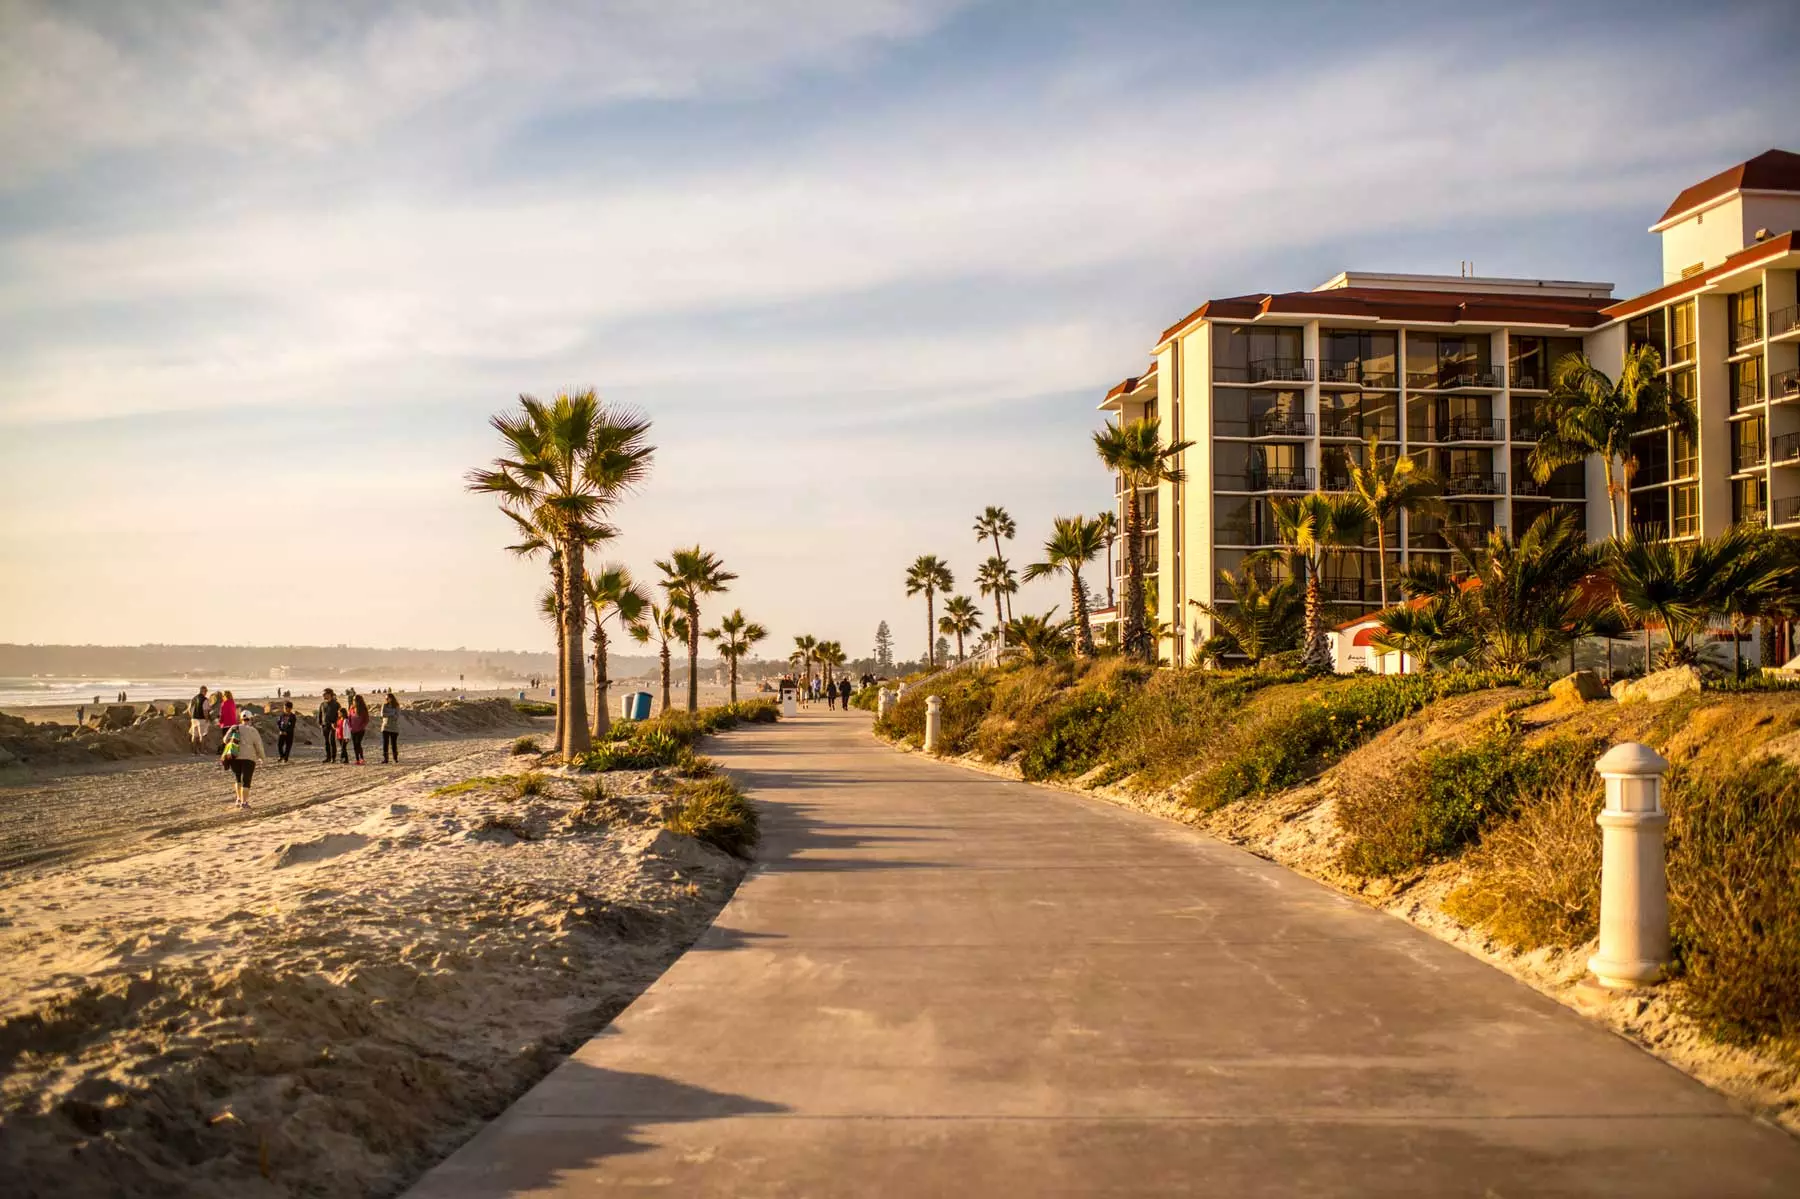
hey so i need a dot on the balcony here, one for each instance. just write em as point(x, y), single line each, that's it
point(1281, 424)
point(1266, 480)
point(1787, 449)
point(1470, 483)
point(1784, 385)
point(1784, 323)
point(1471, 428)
point(1482, 379)
point(1281, 370)
point(1334, 483)
point(1753, 517)
point(1745, 333)
point(1356, 427)
point(1556, 489)
point(1747, 456)
point(1745, 394)
point(1529, 379)
point(1350, 591)
point(1786, 510)
point(1354, 374)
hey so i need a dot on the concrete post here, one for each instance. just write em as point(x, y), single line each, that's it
point(884, 702)
point(934, 720)
point(1634, 890)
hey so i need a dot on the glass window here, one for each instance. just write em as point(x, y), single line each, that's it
point(1652, 453)
point(1746, 383)
point(1647, 330)
point(1650, 513)
point(1747, 444)
point(1231, 353)
point(1421, 359)
point(1749, 500)
point(1528, 365)
point(1684, 455)
point(1682, 335)
point(1231, 412)
point(1746, 317)
point(1356, 356)
point(1684, 510)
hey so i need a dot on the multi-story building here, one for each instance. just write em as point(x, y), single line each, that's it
point(1280, 392)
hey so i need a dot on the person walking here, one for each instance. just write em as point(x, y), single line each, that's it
point(390, 728)
point(358, 717)
point(329, 712)
point(284, 731)
point(198, 724)
point(241, 751)
point(844, 693)
point(228, 713)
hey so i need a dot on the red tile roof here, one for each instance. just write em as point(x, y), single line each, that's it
point(1394, 304)
point(1772, 170)
point(1745, 258)
point(1131, 384)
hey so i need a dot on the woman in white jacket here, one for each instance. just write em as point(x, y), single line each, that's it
point(243, 749)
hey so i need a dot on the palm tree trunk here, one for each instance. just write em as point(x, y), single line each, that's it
point(930, 632)
point(959, 646)
point(732, 661)
point(1318, 653)
point(1111, 600)
point(1381, 558)
point(576, 739)
point(602, 718)
point(665, 675)
point(562, 655)
point(1133, 641)
point(1084, 631)
point(1612, 509)
point(693, 653)
point(1737, 650)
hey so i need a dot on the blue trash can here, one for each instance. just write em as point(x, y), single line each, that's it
point(636, 706)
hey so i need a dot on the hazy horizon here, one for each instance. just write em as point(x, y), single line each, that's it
point(868, 266)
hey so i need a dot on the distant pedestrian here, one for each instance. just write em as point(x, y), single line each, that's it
point(359, 724)
point(241, 751)
point(228, 713)
point(80, 715)
point(329, 712)
point(284, 731)
point(198, 724)
point(390, 728)
point(844, 693)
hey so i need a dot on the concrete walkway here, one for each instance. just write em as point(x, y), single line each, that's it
point(940, 983)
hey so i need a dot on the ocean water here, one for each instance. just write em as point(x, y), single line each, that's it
point(64, 692)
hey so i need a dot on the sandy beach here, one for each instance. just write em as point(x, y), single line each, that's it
point(322, 999)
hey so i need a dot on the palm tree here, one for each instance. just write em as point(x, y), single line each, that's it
point(996, 523)
point(1109, 529)
point(1075, 542)
point(806, 648)
point(567, 463)
point(831, 655)
point(1680, 584)
point(664, 626)
point(1037, 639)
point(961, 617)
point(995, 577)
point(532, 542)
point(1136, 454)
point(929, 575)
point(1599, 415)
point(1260, 621)
point(734, 637)
point(612, 594)
point(1419, 630)
point(1313, 526)
point(687, 575)
point(1386, 489)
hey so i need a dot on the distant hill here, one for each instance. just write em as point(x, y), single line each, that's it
point(303, 661)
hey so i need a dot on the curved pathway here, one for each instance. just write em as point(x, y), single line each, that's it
point(941, 983)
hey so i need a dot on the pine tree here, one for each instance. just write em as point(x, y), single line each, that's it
point(884, 646)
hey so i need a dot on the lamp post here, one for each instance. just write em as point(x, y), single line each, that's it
point(1634, 889)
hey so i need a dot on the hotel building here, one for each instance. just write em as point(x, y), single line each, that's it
point(1279, 393)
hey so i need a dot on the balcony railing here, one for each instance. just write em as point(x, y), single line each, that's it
point(1281, 424)
point(1281, 370)
point(1266, 480)
point(1785, 385)
point(1555, 489)
point(1350, 591)
point(1529, 379)
point(1355, 373)
point(1784, 320)
point(1754, 517)
point(1746, 332)
point(1471, 380)
point(1745, 394)
point(1787, 448)
point(1470, 483)
point(1334, 483)
point(1786, 510)
point(1350, 424)
point(1747, 456)
point(1470, 428)
point(1243, 534)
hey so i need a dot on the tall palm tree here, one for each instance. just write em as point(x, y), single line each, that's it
point(1136, 454)
point(734, 638)
point(996, 577)
point(929, 575)
point(1679, 585)
point(665, 625)
point(961, 617)
point(1386, 489)
point(1261, 620)
point(567, 462)
point(806, 648)
point(1109, 529)
point(532, 542)
point(1076, 541)
point(611, 594)
point(1596, 414)
point(831, 656)
point(1312, 526)
point(995, 523)
point(687, 575)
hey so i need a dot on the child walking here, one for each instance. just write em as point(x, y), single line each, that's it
point(284, 731)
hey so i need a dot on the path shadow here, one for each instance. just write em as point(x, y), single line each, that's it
point(571, 1124)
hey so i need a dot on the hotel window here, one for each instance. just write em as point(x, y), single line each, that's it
point(1746, 383)
point(1527, 366)
point(1685, 457)
point(1747, 444)
point(1652, 453)
point(1684, 510)
point(1749, 500)
point(1746, 318)
point(1649, 330)
point(1356, 356)
point(1682, 335)
point(1650, 513)
point(1231, 353)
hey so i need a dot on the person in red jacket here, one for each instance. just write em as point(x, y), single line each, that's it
point(359, 724)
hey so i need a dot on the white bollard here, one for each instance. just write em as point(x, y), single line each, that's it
point(934, 720)
point(1634, 890)
point(884, 702)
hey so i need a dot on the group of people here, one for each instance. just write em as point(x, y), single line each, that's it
point(833, 693)
point(241, 747)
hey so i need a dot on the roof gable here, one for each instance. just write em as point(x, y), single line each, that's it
point(1772, 170)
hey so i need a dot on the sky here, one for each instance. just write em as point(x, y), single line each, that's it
point(266, 269)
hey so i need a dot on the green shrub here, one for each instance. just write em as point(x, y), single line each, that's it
point(526, 745)
point(868, 698)
point(1734, 898)
point(691, 765)
point(534, 708)
point(1534, 880)
point(481, 783)
point(531, 782)
point(1069, 742)
point(756, 711)
point(716, 812)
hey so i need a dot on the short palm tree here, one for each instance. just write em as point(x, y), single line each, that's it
point(687, 575)
point(567, 463)
point(613, 595)
point(993, 524)
point(960, 619)
point(996, 577)
point(806, 648)
point(1260, 620)
point(1075, 542)
point(929, 575)
point(1036, 640)
point(734, 638)
point(1596, 414)
point(1387, 488)
point(1109, 529)
point(1136, 454)
point(1313, 526)
point(831, 657)
point(1679, 585)
point(1419, 630)
point(665, 625)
